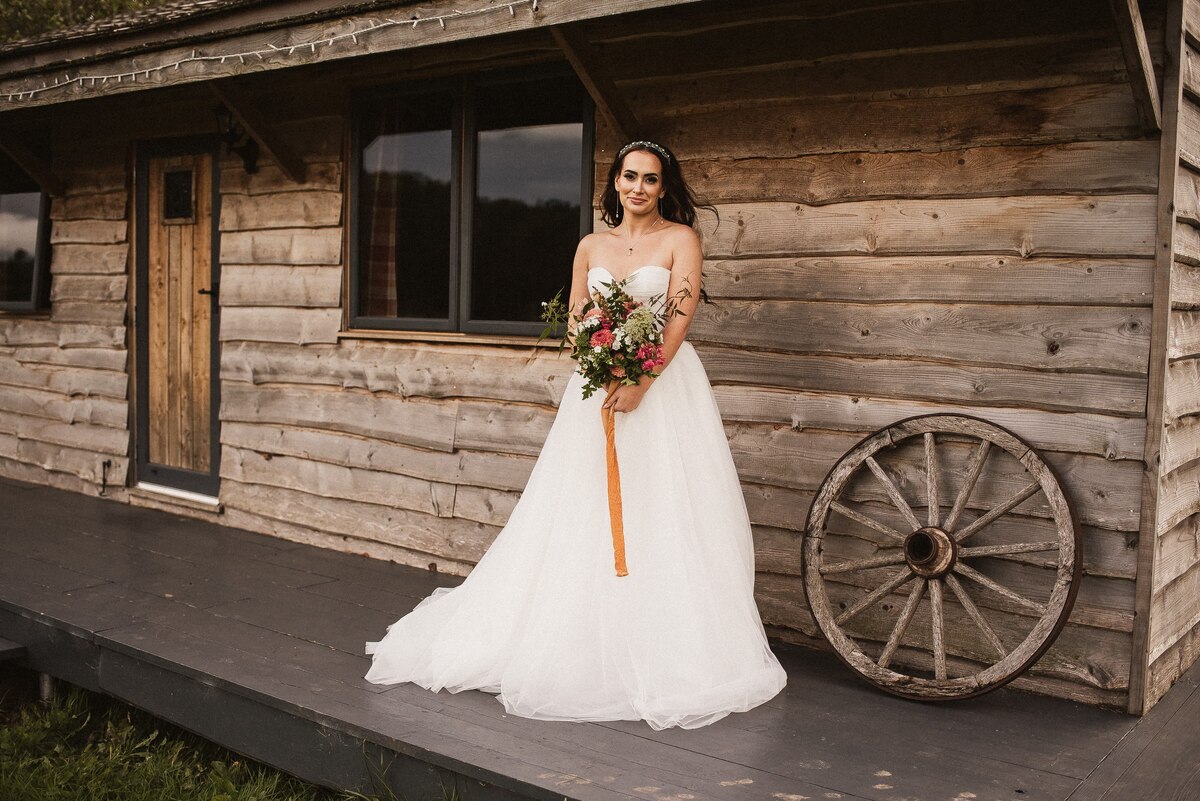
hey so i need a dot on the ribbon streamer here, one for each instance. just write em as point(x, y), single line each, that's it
point(615, 516)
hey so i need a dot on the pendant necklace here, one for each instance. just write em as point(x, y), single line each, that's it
point(633, 241)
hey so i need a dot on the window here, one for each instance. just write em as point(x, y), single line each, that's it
point(24, 240)
point(467, 202)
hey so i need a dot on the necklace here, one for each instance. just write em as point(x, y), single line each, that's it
point(633, 241)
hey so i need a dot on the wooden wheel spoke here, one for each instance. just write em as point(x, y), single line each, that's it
point(863, 564)
point(973, 472)
point(939, 642)
point(973, 612)
point(901, 577)
point(858, 517)
point(906, 616)
point(931, 480)
point(979, 578)
point(1003, 509)
point(893, 493)
point(1005, 550)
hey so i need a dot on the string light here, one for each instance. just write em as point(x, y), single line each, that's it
point(271, 49)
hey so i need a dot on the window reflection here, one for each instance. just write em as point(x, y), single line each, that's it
point(19, 217)
point(527, 196)
point(404, 206)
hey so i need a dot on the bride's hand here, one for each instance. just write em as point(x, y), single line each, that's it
point(624, 398)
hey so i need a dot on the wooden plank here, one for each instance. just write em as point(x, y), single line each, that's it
point(283, 246)
point(784, 130)
point(409, 369)
point(1083, 338)
point(1176, 611)
point(336, 481)
point(1183, 340)
point(1110, 437)
point(1073, 168)
point(1179, 498)
point(88, 465)
point(202, 305)
point(96, 178)
point(1138, 65)
point(928, 380)
point(88, 287)
point(592, 72)
point(1177, 550)
point(157, 317)
point(1173, 663)
point(1180, 443)
point(276, 324)
point(1181, 396)
point(99, 206)
point(504, 428)
point(1111, 225)
point(294, 43)
point(281, 285)
point(437, 536)
point(270, 179)
point(64, 380)
point(259, 127)
point(1189, 131)
point(87, 311)
point(1185, 286)
point(421, 423)
point(281, 210)
point(172, 372)
point(15, 332)
point(1187, 244)
point(89, 232)
point(89, 259)
point(981, 279)
point(52, 406)
point(1187, 194)
point(78, 435)
point(92, 358)
point(482, 469)
point(185, 328)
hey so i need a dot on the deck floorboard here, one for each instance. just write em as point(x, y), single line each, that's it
point(256, 642)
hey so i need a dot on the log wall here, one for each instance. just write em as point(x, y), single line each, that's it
point(1174, 597)
point(942, 206)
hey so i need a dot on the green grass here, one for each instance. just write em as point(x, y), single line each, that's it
point(87, 747)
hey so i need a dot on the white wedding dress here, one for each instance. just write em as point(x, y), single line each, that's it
point(544, 621)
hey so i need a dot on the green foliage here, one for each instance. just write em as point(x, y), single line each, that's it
point(85, 747)
point(23, 18)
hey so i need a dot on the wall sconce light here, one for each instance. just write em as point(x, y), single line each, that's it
point(236, 139)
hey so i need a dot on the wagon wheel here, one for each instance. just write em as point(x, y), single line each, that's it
point(935, 557)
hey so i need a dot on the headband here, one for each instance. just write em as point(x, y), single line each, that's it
point(659, 149)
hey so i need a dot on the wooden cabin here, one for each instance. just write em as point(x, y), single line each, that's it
point(278, 263)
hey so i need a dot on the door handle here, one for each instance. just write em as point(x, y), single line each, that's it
point(205, 291)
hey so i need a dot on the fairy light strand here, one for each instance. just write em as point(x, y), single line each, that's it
point(269, 50)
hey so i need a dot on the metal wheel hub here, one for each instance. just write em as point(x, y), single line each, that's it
point(930, 552)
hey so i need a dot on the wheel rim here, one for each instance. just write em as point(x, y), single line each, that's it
point(936, 566)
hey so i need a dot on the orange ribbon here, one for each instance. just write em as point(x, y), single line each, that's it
point(614, 492)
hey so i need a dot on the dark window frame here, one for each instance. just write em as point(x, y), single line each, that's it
point(464, 162)
point(39, 295)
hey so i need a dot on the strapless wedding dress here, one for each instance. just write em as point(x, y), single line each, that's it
point(544, 621)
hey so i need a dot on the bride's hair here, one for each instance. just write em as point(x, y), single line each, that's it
point(677, 204)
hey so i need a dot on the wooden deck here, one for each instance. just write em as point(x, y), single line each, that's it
point(256, 643)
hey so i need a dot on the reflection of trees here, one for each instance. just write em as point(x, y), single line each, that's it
point(521, 252)
point(16, 276)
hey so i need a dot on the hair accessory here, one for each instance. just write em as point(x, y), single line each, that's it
point(659, 149)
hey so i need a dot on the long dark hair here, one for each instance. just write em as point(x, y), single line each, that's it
point(678, 203)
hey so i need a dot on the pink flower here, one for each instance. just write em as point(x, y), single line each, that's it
point(648, 364)
point(618, 372)
point(602, 338)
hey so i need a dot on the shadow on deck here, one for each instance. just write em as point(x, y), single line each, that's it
point(256, 643)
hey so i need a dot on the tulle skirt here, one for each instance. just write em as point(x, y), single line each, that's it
point(544, 621)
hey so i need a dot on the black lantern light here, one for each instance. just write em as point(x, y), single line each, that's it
point(236, 139)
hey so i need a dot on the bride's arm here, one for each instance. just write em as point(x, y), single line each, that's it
point(579, 287)
point(684, 290)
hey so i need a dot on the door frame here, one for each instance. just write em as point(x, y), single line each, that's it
point(144, 471)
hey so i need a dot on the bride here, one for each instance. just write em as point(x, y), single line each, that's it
point(544, 620)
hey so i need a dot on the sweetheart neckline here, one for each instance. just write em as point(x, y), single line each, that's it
point(631, 274)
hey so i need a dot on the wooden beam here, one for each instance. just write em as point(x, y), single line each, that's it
point(1160, 321)
point(37, 167)
point(256, 125)
point(587, 65)
point(1137, 62)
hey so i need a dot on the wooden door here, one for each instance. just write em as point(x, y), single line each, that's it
point(177, 308)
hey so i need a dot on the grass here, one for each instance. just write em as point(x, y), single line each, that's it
point(87, 747)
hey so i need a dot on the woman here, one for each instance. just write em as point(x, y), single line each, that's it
point(543, 620)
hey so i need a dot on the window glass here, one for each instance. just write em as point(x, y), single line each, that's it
point(525, 215)
point(405, 207)
point(20, 232)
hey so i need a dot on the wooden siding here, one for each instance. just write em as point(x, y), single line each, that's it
point(943, 206)
point(1174, 608)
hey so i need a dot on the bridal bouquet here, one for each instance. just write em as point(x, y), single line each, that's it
point(615, 337)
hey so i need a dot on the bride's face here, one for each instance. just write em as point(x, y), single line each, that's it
point(640, 182)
